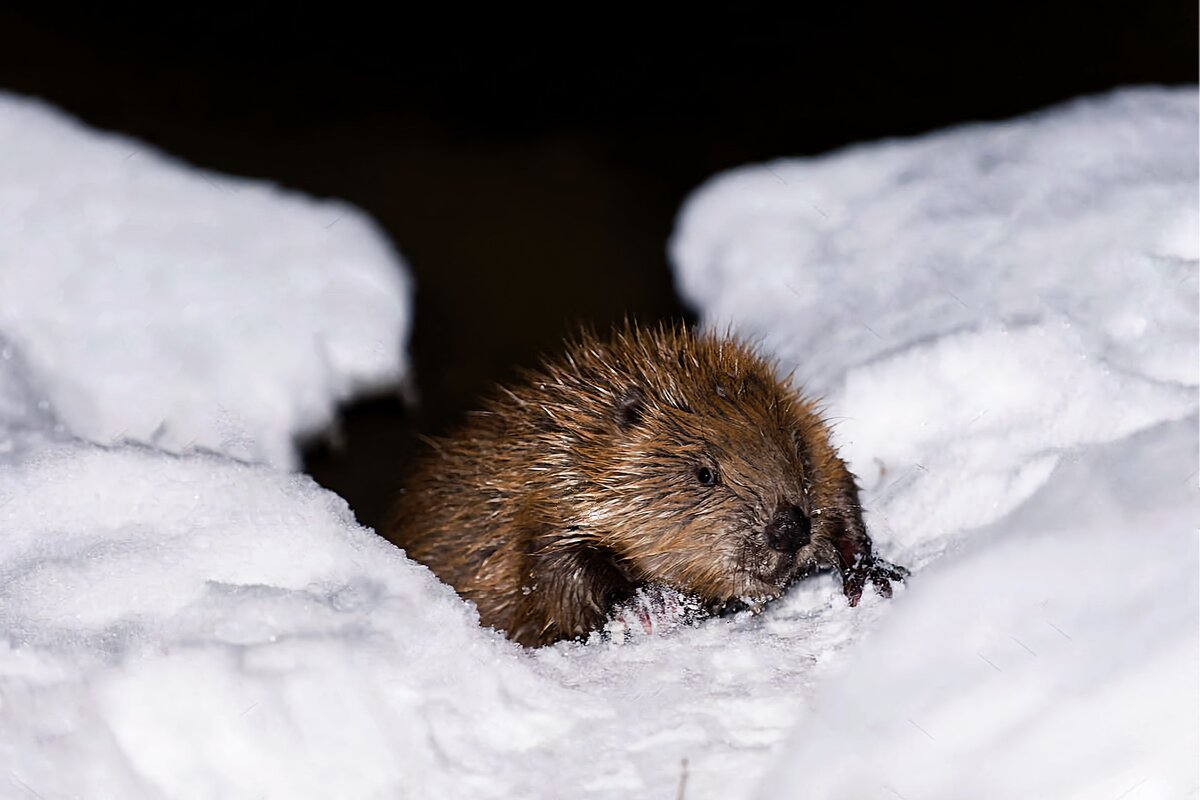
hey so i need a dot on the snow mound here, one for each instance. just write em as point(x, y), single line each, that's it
point(1081, 216)
point(196, 627)
point(1057, 657)
point(157, 303)
point(1003, 321)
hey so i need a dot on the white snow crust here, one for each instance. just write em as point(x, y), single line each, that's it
point(181, 618)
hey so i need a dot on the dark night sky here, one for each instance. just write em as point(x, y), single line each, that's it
point(542, 159)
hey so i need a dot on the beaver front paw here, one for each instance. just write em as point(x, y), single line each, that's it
point(878, 572)
point(653, 609)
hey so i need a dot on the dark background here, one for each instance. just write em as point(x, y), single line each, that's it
point(529, 169)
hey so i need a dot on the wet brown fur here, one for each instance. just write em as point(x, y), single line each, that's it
point(579, 484)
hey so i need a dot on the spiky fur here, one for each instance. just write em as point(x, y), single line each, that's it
point(579, 483)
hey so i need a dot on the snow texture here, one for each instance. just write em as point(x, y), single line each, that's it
point(159, 304)
point(190, 625)
point(1003, 320)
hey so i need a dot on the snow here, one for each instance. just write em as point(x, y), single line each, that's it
point(183, 617)
point(1003, 320)
point(160, 304)
point(1065, 658)
point(197, 627)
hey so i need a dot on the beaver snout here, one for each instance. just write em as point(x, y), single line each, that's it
point(788, 530)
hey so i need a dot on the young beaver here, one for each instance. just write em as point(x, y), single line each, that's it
point(660, 457)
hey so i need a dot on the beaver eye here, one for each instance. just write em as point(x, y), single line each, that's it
point(706, 476)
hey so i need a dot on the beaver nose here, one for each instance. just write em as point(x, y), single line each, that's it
point(788, 530)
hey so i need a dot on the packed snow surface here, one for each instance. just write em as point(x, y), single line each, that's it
point(1002, 319)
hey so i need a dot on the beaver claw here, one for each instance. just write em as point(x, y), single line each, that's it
point(880, 573)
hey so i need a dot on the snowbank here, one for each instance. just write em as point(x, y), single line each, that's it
point(195, 627)
point(188, 625)
point(160, 304)
point(1056, 658)
point(1081, 215)
point(1003, 318)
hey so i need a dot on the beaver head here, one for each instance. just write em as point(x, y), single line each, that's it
point(692, 461)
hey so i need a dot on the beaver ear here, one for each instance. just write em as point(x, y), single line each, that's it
point(630, 407)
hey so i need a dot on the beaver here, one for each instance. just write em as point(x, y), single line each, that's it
point(657, 457)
